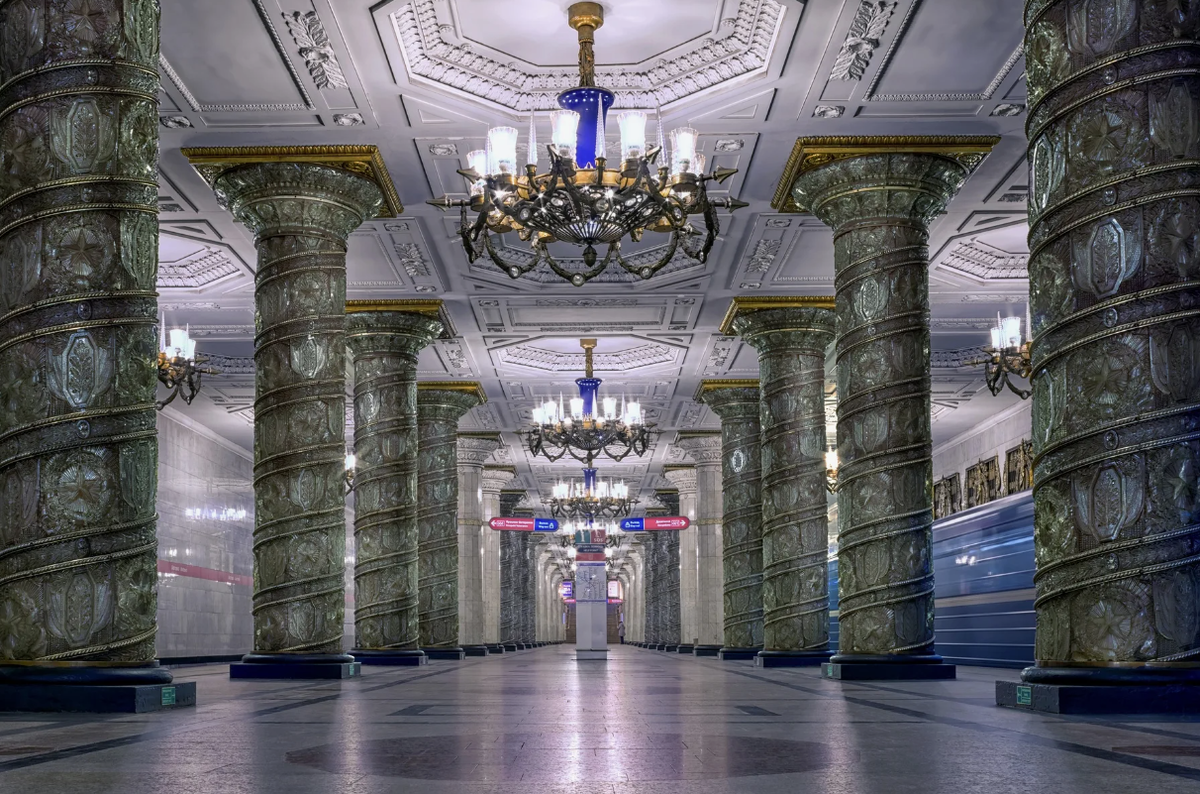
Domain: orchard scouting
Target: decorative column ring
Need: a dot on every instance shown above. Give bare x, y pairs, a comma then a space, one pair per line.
737, 403
879, 196
301, 212
791, 335
440, 405
385, 338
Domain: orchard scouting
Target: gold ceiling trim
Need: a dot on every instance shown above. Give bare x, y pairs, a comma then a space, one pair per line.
714, 384
429, 307
813, 152
467, 386
753, 303
361, 159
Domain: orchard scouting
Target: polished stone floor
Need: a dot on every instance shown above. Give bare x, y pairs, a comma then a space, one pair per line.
538, 721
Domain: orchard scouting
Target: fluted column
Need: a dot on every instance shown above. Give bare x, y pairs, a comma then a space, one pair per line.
737, 403
384, 341
684, 478
78, 331
473, 450
791, 336
440, 405
510, 574
494, 479
301, 214
1114, 150
879, 197
705, 450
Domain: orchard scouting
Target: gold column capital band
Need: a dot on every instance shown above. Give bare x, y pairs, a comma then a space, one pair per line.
743, 304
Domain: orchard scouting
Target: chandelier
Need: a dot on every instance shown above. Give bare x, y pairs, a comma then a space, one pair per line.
592, 426
579, 200
1008, 355
178, 365
591, 500
831, 470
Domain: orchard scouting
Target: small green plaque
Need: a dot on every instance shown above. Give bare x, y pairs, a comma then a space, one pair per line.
1024, 696
168, 696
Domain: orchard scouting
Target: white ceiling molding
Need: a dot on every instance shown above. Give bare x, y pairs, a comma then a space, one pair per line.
739, 48
975, 258
633, 358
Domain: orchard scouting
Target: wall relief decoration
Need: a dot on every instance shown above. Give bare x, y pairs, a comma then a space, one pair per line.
983, 482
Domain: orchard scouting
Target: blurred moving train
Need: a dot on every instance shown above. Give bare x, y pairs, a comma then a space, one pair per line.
983, 584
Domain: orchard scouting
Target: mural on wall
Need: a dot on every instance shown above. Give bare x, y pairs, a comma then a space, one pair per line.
983, 482
1018, 464
947, 496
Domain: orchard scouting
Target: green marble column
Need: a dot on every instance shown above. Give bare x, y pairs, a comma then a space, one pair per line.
737, 403
439, 407
385, 338
684, 478
879, 196
510, 574
791, 336
78, 334
652, 543
1114, 212
527, 588
670, 571
301, 214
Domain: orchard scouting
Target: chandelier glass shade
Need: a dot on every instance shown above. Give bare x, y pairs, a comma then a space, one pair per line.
589, 426
1008, 355
579, 200
179, 366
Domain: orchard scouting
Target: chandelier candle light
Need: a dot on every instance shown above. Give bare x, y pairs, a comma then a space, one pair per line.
178, 364
1007, 355
579, 200
592, 427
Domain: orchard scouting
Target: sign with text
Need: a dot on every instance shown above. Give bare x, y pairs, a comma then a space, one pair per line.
525, 524
590, 582
589, 552
656, 522
566, 589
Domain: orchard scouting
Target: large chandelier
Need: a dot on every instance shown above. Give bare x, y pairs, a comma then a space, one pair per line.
179, 365
1008, 354
581, 201
591, 500
592, 426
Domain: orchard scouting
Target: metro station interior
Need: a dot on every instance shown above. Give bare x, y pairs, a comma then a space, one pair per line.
635, 396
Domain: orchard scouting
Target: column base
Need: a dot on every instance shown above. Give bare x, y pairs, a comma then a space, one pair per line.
97, 698
707, 650
669, 648
475, 650
391, 658
736, 654
791, 658
511, 646
591, 656
684, 648
1103, 690
495, 648
296, 666
865, 667
451, 654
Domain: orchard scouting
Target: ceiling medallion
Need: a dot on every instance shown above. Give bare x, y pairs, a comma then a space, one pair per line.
580, 201
589, 429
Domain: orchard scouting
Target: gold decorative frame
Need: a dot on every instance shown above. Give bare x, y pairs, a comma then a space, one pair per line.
362, 159
752, 303
724, 383
468, 386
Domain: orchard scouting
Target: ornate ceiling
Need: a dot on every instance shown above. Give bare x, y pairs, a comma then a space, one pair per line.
423, 80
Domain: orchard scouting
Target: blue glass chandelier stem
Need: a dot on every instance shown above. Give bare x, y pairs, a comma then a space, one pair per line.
587, 392
592, 105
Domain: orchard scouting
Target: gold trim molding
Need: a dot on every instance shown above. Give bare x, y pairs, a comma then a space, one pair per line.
744, 304
814, 152
467, 386
429, 307
679, 467
361, 159
714, 384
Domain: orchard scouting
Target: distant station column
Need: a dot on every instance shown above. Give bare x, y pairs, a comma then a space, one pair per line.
670, 615
705, 450
473, 450
301, 209
510, 574
440, 405
791, 336
494, 480
527, 587
879, 196
684, 478
78, 317
385, 338
737, 403
1114, 153
652, 543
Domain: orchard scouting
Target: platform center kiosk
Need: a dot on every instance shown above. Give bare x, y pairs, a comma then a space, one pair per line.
591, 596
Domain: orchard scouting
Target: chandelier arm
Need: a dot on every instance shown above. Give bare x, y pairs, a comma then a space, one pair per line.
586, 275
1024, 394
512, 269
647, 271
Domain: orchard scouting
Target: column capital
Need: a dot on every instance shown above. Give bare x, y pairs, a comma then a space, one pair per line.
372, 332
496, 477
682, 477
509, 499
782, 327
449, 400
363, 161
729, 398
846, 179
475, 448
668, 498
702, 447
745, 304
